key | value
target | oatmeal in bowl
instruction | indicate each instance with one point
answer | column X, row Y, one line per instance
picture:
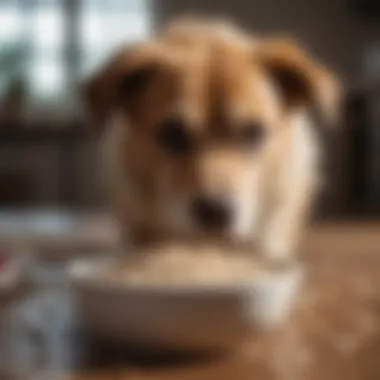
column 182, row 296
column 192, row 265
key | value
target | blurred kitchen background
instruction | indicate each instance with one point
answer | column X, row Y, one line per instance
column 48, row 155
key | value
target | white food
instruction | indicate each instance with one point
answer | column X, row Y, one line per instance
column 181, row 265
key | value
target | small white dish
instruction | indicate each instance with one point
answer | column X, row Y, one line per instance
column 188, row 317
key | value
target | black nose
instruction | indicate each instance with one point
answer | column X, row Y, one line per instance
column 211, row 212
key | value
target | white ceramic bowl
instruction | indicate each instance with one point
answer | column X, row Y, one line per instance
column 180, row 317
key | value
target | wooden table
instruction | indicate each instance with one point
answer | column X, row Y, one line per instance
column 333, row 334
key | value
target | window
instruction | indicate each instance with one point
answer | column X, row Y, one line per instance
column 45, row 45
column 105, row 25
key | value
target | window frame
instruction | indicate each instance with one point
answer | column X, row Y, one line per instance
column 62, row 112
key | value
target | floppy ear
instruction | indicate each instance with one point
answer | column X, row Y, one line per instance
column 120, row 81
column 302, row 81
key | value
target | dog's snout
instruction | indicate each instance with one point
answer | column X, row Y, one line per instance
column 211, row 212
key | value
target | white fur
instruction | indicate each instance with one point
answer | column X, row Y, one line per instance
column 296, row 184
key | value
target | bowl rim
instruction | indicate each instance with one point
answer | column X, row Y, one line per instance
column 84, row 272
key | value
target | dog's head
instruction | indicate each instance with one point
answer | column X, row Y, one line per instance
column 200, row 110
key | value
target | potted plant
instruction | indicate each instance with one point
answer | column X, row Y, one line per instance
column 14, row 83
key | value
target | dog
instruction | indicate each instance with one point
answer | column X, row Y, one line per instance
column 206, row 132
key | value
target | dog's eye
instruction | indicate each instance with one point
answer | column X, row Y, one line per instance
column 253, row 135
column 174, row 137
